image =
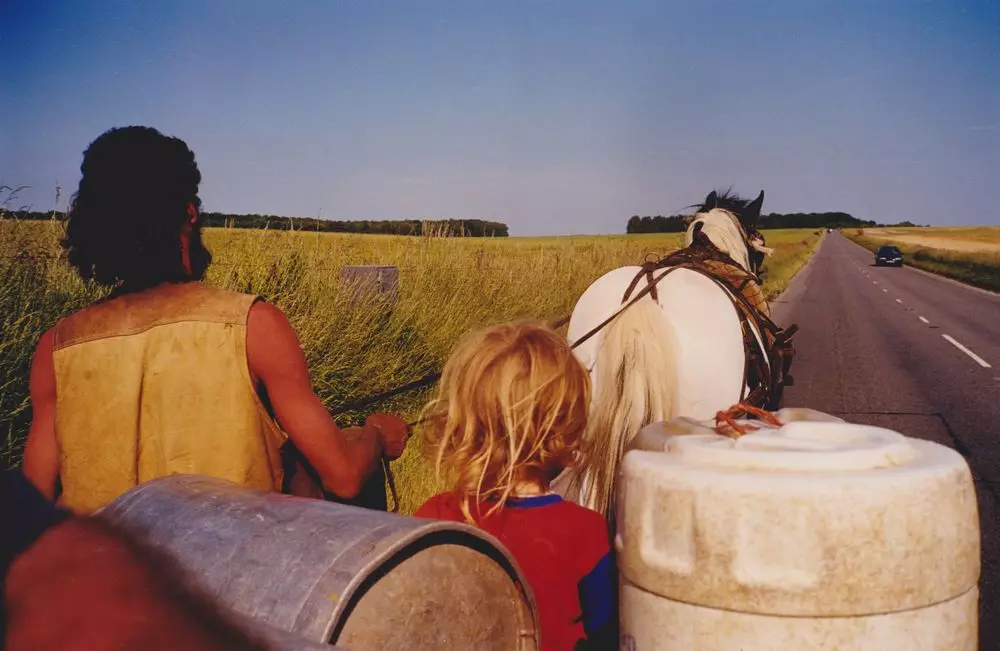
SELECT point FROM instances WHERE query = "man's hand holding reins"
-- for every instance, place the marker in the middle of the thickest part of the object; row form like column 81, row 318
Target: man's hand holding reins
column 394, row 431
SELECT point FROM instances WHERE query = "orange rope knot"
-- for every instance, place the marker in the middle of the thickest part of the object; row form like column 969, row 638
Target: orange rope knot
column 725, row 421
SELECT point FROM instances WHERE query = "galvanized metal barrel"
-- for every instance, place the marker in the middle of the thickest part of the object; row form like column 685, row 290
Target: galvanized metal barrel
column 336, row 574
column 274, row 639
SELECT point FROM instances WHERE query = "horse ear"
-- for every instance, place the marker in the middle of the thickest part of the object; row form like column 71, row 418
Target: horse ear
column 752, row 212
column 711, row 201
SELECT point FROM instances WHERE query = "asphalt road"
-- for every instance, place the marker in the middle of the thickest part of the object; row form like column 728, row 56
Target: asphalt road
column 912, row 352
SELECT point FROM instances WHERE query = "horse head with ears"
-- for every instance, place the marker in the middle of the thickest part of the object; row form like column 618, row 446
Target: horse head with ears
column 731, row 224
column 678, row 351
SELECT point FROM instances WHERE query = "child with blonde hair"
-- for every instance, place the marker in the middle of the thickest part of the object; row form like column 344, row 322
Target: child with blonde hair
column 509, row 418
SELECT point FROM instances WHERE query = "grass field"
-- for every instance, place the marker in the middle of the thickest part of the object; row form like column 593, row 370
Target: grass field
column 447, row 286
column 969, row 254
column 951, row 238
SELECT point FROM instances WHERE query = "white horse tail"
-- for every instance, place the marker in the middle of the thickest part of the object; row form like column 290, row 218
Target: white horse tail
column 635, row 382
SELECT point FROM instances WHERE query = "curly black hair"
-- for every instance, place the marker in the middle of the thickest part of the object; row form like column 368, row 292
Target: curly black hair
column 125, row 219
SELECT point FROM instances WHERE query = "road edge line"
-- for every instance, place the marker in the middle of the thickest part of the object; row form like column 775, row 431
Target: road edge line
column 777, row 298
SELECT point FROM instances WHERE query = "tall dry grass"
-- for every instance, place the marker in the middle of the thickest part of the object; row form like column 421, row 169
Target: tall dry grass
column 960, row 235
column 447, row 286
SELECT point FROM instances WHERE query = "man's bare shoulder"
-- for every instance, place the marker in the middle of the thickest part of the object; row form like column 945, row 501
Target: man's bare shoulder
column 271, row 341
column 46, row 341
column 267, row 318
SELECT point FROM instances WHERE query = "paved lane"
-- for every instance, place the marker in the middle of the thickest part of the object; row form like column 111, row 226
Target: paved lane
column 916, row 353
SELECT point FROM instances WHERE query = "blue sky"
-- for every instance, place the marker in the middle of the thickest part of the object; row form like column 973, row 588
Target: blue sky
column 554, row 116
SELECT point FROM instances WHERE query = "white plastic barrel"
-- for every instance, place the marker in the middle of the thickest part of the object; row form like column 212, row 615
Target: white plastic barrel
column 814, row 535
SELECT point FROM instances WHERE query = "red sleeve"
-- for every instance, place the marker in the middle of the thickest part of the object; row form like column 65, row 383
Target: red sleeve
column 439, row 508
column 593, row 543
column 429, row 509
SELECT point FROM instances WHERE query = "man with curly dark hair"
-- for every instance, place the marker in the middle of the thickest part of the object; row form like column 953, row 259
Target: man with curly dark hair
column 168, row 375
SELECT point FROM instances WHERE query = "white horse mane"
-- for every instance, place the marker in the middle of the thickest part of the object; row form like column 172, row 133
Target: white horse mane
column 726, row 233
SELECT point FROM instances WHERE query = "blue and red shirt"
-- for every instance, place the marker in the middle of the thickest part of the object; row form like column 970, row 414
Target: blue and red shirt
column 562, row 549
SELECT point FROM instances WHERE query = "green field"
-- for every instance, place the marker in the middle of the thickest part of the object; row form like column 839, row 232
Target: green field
column 970, row 255
column 447, row 286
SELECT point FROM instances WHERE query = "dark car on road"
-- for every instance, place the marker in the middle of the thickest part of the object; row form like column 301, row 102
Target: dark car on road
column 889, row 256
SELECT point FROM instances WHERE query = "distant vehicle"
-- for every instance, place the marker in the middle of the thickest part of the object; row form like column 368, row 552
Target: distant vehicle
column 889, row 256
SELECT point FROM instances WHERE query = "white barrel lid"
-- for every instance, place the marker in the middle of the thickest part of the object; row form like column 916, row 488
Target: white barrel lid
column 809, row 519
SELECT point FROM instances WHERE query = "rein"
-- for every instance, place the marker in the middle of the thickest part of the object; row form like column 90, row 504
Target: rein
column 766, row 370
column 766, row 367
column 726, row 420
column 291, row 455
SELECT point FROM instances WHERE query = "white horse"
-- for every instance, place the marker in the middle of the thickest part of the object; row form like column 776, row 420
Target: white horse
column 679, row 352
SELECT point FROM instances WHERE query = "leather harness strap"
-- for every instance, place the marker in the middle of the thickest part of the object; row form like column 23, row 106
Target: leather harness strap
column 648, row 289
column 647, row 269
column 766, row 367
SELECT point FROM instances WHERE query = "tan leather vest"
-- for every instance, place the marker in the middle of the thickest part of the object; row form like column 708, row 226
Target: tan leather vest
column 156, row 383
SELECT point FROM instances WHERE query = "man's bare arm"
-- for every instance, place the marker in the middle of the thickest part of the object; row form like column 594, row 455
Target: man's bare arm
column 41, row 451
column 343, row 460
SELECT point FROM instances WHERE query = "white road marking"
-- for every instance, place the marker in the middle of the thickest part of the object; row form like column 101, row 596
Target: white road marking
column 924, row 320
column 979, row 360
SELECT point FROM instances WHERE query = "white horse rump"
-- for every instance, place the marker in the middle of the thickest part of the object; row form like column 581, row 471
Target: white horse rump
column 681, row 354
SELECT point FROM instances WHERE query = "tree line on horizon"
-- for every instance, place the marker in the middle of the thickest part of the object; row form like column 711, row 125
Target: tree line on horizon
column 679, row 223
column 484, row 228
column 429, row 227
